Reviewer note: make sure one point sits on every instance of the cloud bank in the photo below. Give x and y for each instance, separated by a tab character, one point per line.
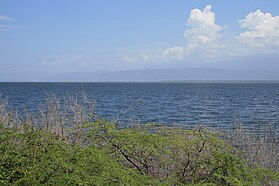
204	38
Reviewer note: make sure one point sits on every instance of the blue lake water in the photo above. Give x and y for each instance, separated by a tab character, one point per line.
185	104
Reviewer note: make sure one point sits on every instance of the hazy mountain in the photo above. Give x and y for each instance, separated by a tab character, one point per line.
259	62
260	67
168	75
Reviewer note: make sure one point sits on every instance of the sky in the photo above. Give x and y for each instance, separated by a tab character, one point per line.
39	39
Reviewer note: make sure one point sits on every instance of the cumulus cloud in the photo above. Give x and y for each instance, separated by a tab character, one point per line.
203	27
262	31
205	39
175	52
202	38
203	34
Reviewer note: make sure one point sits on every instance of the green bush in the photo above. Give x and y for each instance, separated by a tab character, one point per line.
101	153
37	157
176	155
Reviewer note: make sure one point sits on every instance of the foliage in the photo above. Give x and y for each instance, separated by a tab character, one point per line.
176	155
37	157
102	153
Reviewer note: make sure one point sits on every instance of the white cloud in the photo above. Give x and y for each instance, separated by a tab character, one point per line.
203	27
128	59
174	52
64	61
203	35
207	41
202	39
147	57
143	58
262	31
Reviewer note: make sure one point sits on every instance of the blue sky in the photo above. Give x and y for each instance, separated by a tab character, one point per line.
41	38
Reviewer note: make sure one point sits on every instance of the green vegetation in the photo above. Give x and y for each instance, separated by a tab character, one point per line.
101	153
34	157
65	143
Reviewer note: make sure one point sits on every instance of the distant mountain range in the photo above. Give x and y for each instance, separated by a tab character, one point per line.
183	74
250	68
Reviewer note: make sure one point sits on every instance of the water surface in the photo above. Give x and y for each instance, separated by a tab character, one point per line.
185	104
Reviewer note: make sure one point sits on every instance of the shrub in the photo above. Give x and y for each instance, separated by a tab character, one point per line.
36	157
176	155
66	145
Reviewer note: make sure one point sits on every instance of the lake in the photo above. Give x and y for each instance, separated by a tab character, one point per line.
214	105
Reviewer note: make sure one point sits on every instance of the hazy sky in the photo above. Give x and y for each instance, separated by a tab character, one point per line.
40	38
